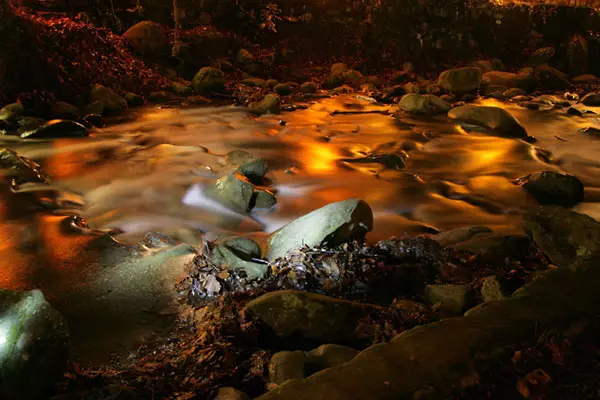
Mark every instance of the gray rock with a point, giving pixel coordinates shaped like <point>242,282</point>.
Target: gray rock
<point>283,89</point>
<point>329,355</point>
<point>452,299</point>
<point>237,253</point>
<point>112,102</point>
<point>134,99</point>
<point>591,100</point>
<point>209,80</point>
<point>229,393</point>
<point>310,316</point>
<point>264,199</point>
<point>331,225</point>
<point>233,192</point>
<point>287,365</point>
<point>62,110</point>
<point>34,345</point>
<point>551,78</point>
<point>554,188</point>
<point>271,104</point>
<point>492,289</point>
<point>57,128</point>
<point>252,167</point>
<point>460,80</point>
<point>459,235</point>
<point>427,104</point>
<point>565,236</point>
<point>495,118</point>
<point>147,38</point>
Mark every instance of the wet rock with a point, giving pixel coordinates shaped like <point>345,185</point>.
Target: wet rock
<point>62,110</point>
<point>553,188</point>
<point>96,107</point>
<point>590,130</point>
<point>19,168</point>
<point>514,92</point>
<point>209,80</point>
<point>333,81</point>
<point>134,99</point>
<point>30,124</point>
<point>495,92</point>
<point>591,100</point>
<point>459,235</point>
<point>264,199</point>
<point>451,299</point>
<point>484,65</point>
<point>34,345</point>
<point>395,91</point>
<point>229,393</point>
<point>112,102</point>
<point>389,161</point>
<point>57,128</point>
<point>492,289</point>
<point>16,108</point>
<point>551,78</point>
<point>460,80</point>
<point>271,104</point>
<point>427,104</point>
<point>287,365</point>
<point>575,111</point>
<point>329,355</point>
<point>541,56</point>
<point>564,235</point>
<point>255,82</point>
<point>410,88</point>
<point>233,191</point>
<point>181,89</point>
<point>308,87</point>
<point>330,225</point>
<point>309,316</point>
<point>237,255</point>
<point>147,38</point>
<point>198,100</point>
<point>159,97</point>
<point>7,116</point>
<point>283,89</point>
<point>497,119</point>
<point>252,167</point>
<point>272,83</point>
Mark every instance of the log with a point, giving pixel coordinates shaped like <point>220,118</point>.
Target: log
<point>435,358</point>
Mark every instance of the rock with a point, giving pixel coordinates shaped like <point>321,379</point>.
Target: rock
<point>283,89</point>
<point>452,299</point>
<point>484,65</point>
<point>330,225</point>
<point>237,253</point>
<point>287,365</point>
<point>198,100</point>
<point>591,100</point>
<point>62,110</point>
<point>353,77</point>
<point>264,199</point>
<point>564,235</point>
<point>209,80</point>
<point>578,55</point>
<point>57,128</point>
<point>410,87</point>
<point>459,235</point>
<point>390,160</point>
<point>159,97</point>
<point>34,345</point>
<point>252,167</point>
<point>590,130</point>
<point>27,124</point>
<point>333,81</point>
<point>427,104</point>
<point>19,168</point>
<point>329,355</point>
<point>492,289</point>
<point>551,78</point>
<point>147,38</point>
<point>16,108</point>
<point>514,92</point>
<point>541,56</point>
<point>585,79</point>
<point>93,120</point>
<point>494,91</point>
<point>229,393</point>
<point>575,111</point>
<point>498,246</point>
<point>234,192</point>
<point>402,77</point>
<point>376,81</point>
<point>497,119</point>
<point>460,80</point>
<point>255,82</point>
<point>508,80</point>
<point>309,316</point>
<point>112,102</point>
<point>181,89</point>
<point>134,99</point>
<point>271,104</point>
<point>395,91</point>
<point>272,83</point>
<point>554,188</point>
<point>338,69</point>
<point>8,116</point>
<point>308,87</point>
<point>245,57</point>
<point>96,107</point>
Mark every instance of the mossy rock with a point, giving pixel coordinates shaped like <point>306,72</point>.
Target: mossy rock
<point>270,104</point>
<point>234,192</point>
<point>460,80</point>
<point>112,101</point>
<point>57,128</point>
<point>63,110</point>
<point>147,38</point>
<point>427,104</point>
<point>209,80</point>
<point>134,99</point>
<point>237,253</point>
<point>255,82</point>
<point>181,89</point>
<point>308,87</point>
<point>252,167</point>
<point>16,108</point>
<point>283,89</point>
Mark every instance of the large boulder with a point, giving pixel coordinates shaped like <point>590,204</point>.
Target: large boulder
<point>147,38</point>
<point>309,316</point>
<point>34,345</point>
<point>497,119</point>
<point>554,188</point>
<point>112,102</point>
<point>460,80</point>
<point>564,235</point>
<point>209,80</point>
<point>237,253</point>
<point>591,100</point>
<point>508,79</point>
<point>331,225</point>
<point>427,104</point>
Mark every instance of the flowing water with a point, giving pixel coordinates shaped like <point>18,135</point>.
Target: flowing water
<point>148,172</point>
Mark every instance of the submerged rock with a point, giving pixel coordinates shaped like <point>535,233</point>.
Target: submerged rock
<point>57,128</point>
<point>495,118</point>
<point>112,102</point>
<point>209,80</point>
<point>34,345</point>
<point>554,188</point>
<point>271,104</point>
<point>233,191</point>
<point>565,236</point>
<point>451,299</point>
<point>460,80</point>
<point>330,225</point>
<point>427,104</point>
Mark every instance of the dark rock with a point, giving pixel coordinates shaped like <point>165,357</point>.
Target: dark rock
<point>578,55</point>
<point>147,38</point>
<point>255,82</point>
<point>492,289</point>
<point>390,161</point>
<point>57,128</point>
<point>96,107</point>
<point>34,345</point>
<point>329,355</point>
<point>62,110</point>
<point>591,100</point>
<point>30,124</point>
<point>427,104</point>
<point>551,78</point>
<point>286,365</point>
<point>333,81</point>
<point>134,100</point>
<point>271,104</point>
<point>585,79</point>
<point>451,299</point>
<point>497,119</point>
<point>575,111</point>
<point>15,108</point>
<point>395,91</point>
<point>514,92</point>
<point>459,235</point>
<point>252,167</point>
<point>283,89</point>
<point>508,80</point>
<point>229,393</point>
<point>338,69</point>
<point>181,89</point>
<point>590,130</point>
<point>308,87</point>
<point>209,80</point>
<point>198,100</point>
<point>8,117</point>
<point>495,92</point>
<point>353,77</point>
<point>19,168</point>
<point>264,199</point>
<point>245,57</point>
<point>94,120</point>
<point>460,80</point>
<point>554,188</point>
<point>565,236</point>
<point>112,102</point>
<point>330,225</point>
<point>496,245</point>
<point>159,97</point>
<point>272,83</point>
